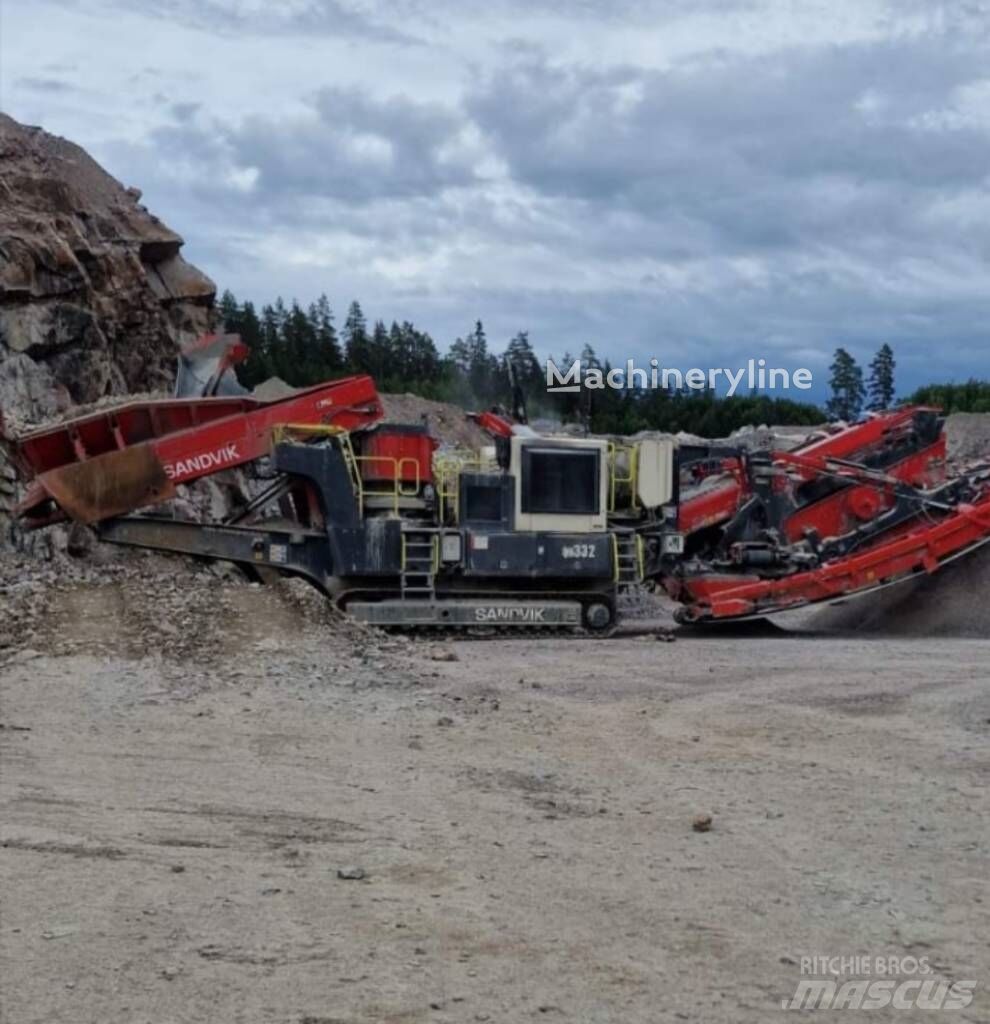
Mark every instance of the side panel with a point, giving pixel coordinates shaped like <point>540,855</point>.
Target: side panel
<point>656,472</point>
<point>487,500</point>
<point>324,465</point>
<point>539,554</point>
<point>373,549</point>
<point>503,554</point>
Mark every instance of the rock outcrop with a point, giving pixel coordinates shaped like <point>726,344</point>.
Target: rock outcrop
<point>95,298</point>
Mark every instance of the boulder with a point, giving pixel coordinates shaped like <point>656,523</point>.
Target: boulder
<point>95,297</point>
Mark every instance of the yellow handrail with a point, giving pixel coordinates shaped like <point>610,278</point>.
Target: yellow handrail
<point>286,431</point>
<point>399,479</point>
<point>632,478</point>
<point>396,491</point>
<point>347,450</point>
<point>447,470</point>
<point>282,430</point>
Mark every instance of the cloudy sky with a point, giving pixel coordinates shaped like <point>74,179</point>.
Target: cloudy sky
<point>702,181</point>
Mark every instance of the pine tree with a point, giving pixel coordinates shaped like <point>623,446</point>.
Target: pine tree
<point>397,359</point>
<point>608,405</point>
<point>275,339</point>
<point>229,311</point>
<point>483,369</point>
<point>297,347</point>
<point>356,341</point>
<point>269,335</point>
<point>460,356</point>
<point>379,351</point>
<point>590,399</point>
<point>529,377</point>
<point>847,388</point>
<point>564,404</point>
<point>327,359</point>
<point>881,383</point>
<point>255,368</point>
<point>424,359</point>
<point>458,367</point>
<point>302,347</point>
<point>589,360</point>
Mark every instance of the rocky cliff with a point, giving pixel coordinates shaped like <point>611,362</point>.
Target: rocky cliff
<point>95,298</point>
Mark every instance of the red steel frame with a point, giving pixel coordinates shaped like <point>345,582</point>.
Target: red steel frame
<point>185,438</point>
<point>835,513</point>
<point>922,545</point>
<point>921,548</point>
<point>492,423</point>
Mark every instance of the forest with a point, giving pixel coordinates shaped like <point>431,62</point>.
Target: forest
<point>305,345</point>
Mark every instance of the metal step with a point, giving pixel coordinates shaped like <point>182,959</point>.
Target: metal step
<point>627,560</point>
<point>417,579</point>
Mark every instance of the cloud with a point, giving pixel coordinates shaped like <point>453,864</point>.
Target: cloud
<point>44,85</point>
<point>826,193</point>
<point>287,17</point>
<point>347,147</point>
<point>184,112</point>
<point>727,141</point>
<point>709,180</point>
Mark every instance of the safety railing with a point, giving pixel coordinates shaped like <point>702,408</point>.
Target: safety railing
<point>447,469</point>
<point>631,477</point>
<point>399,488</point>
<point>290,431</point>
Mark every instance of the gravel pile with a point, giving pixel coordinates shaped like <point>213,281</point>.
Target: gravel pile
<point>967,436</point>
<point>175,611</point>
<point>951,603</point>
<point>449,424</point>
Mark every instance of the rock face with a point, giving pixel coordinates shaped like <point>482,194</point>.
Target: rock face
<point>95,298</point>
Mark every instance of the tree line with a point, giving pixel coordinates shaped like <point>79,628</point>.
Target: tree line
<point>303,345</point>
<point>972,396</point>
<point>850,394</point>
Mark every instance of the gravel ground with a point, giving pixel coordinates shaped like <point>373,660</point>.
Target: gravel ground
<point>188,769</point>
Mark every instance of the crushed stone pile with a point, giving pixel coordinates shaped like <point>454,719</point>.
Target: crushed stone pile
<point>953,603</point>
<point>172,610</point>
<point>448,423</point>
<point>967,436</point>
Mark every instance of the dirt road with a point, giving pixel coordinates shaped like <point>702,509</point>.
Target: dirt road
<point>176,814</point>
